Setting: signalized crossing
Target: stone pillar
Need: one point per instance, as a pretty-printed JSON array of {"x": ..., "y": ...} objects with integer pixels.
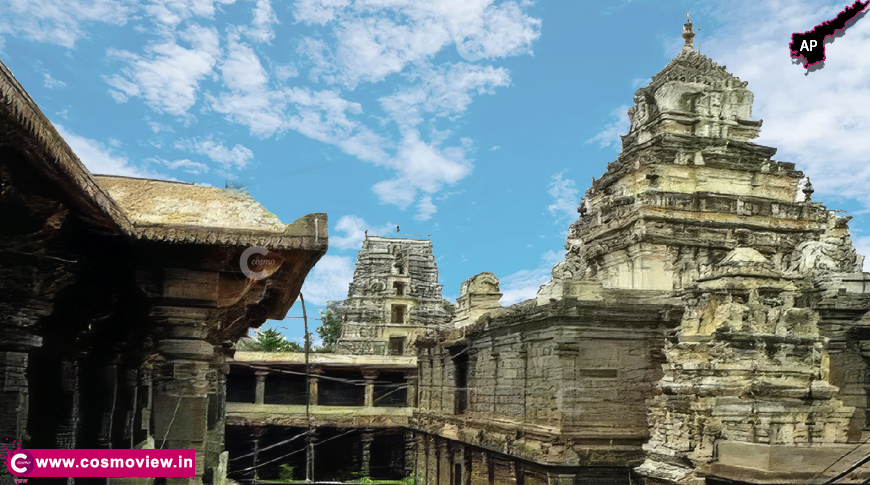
[
  {"x": 410, "y": 453},
  {"x": 561, "y": 478},
  {"x": 13, "y": 395},
  {"x": 367, "y": 438},
  {"x": 216, "y": 458},
  {"x": 437, "y": 444},
  {"x": 495, "y": 355},
  {"x": 260, "y": 392},
  {"x": 427, "y": 459},
  {"x": 445, "y": 462},
  {"x": 370, "y": 375},
  {"x": 411, "y": 378},
  {"x": 314, "y": 373},
  {"x": 145, "y": 400},
  {"x": 182, "y": 383},
  {"x": 466, "y": 465},
  {"x": 451, "y": 469}
]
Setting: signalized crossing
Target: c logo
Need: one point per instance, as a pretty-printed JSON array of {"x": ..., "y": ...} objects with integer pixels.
[
  {"x": 470, "y": 44},
  {"x": 254, "y": 275},
  {"x": 21, "y": 463}
]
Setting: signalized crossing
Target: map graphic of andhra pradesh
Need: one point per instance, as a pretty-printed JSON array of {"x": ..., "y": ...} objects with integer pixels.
[{"x": 810, "y": 46}]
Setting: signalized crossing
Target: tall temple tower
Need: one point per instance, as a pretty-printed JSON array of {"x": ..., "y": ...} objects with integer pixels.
[
  {"x": 394, "y": 297},
  {"x": 763, "y": 381}
]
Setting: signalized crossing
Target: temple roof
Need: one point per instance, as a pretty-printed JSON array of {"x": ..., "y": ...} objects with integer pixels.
[
  {"x": 160, "y": 209},
  {"x": 144, "y": 208},
  {"x": 695, "y": 96}
]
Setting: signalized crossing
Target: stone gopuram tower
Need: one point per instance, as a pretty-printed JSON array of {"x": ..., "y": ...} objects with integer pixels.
[
  {"x": 709, "y": 322},
  {"x": 394, "y": 297}
]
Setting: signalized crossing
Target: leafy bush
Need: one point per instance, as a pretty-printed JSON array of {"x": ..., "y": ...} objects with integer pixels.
[{"x": 285, "y": 473}]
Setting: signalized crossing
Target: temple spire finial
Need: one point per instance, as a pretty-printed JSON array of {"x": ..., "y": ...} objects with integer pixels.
[{"x": 688, "y": 34}]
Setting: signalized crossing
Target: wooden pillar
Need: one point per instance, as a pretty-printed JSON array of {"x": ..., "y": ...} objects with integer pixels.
[
  {"x": 260, "y": 392},
  {"x": 519, "y": 473},
  {"x": 370, "y": 375},
  {"x": 490, "y": 468},
  {"x": 411, "y": 379},
  {"x": 367, "y": 438}
]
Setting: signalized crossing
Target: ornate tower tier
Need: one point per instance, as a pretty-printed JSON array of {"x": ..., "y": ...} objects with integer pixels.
[{"x": 394, "y": 297}]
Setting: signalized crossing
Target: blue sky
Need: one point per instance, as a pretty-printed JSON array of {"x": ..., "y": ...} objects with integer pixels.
[{"x": 368, "y": 111}]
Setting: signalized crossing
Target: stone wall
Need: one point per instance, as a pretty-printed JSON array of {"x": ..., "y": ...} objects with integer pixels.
[{"x": 564, "y": 384}]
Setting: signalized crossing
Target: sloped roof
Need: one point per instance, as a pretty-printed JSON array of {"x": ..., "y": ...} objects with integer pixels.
[
  {"x": 182, "y": 212},
  {"x": 145, "y": 208},
  {"x": 25, "y": 126}
]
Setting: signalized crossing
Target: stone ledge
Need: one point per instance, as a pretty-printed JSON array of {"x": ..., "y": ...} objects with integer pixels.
[{"x": 769, "y": 464}]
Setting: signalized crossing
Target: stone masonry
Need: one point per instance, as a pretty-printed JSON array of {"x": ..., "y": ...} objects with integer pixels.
[
  {"x": 709, "y": 321},
  {"x": 394, "y": 297}
]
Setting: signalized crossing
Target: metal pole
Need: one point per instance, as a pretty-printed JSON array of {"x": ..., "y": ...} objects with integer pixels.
[
  {"x": 256, "y": 451},
  {"x": 309, "y": 456}
]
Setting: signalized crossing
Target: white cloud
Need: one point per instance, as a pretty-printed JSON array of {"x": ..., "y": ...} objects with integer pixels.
[
  {"x": 564, "y": 192},
  {"x": 318, "y": 11},
  {"x": 494, "y": 148},
  {"x": 158, "y": 128},
  {"x": 354, "y": 229},
  {"x": 102, "y": 160},
  {"x": 328, "y": 280},
  {"x": 366, "y": 42},
  {"x": 286, "y": 71},
  {"x": 237, "y": 157},
  {"x": 422, "y": 166},
  {"x": 249, "y": 101},
  {"x": 816, "y": 120},
  {"x": 377, "y": 39},
  {"x": 524, "y": 284},
  {"x": 51, "y": 82},
  {"x": 610, "y": 135},
  {"x": 425, "y": 208},
  {"x": 184, "y": 165},
  {"x": 553, "y": 257},
  {"x": 173, "y": 12},
  {"x": 59, "y": 22},
  {"x": 167, "y": 77},
  {"x": 862, "y": 245},
  {"x": 261, "y": 27},
  {"x": 442, "y": 91}
]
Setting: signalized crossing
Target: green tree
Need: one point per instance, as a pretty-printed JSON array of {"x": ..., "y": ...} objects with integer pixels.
[
  {"x": 268, "y": 341},
  {"x": 329, "y": 331}
]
